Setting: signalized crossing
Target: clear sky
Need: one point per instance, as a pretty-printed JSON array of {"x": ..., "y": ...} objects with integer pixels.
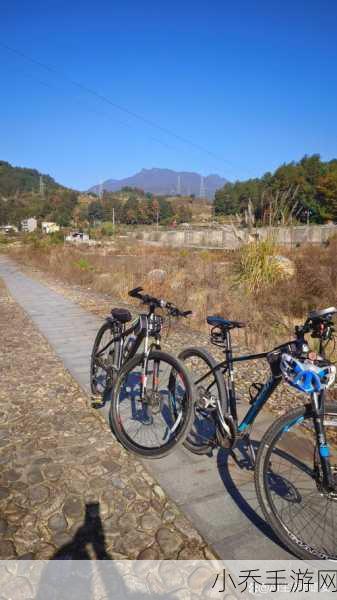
[{"x": 251, "y": 84}]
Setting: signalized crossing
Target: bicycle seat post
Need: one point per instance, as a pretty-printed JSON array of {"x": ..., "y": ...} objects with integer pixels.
[{"x": 231, "y": 388}]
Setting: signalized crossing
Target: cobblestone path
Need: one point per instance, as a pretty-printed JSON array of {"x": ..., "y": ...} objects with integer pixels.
[
  {"x": 66, "y": 487},
  {"x": 215, "y": 493}
]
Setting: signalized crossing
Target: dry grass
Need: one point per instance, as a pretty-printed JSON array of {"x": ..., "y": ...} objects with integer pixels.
[
  {"x": 257, "y": 267},
  {"x": 206, "y": 282}
]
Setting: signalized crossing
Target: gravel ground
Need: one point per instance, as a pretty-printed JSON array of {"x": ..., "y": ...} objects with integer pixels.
[{"x": 67, "y": 489}]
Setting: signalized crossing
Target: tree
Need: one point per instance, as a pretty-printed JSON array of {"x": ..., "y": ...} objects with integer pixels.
[
  {"x": 165, "y": 211},
  {"x": 130, "y": 210},
  {"x": 327, "y": 193},
  {"x": 95, "y": 211}
]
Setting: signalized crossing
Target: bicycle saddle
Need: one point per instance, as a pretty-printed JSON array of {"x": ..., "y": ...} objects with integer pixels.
[
  {"x": 121, "y": 314},
  {"x": 220, "y": 322}
]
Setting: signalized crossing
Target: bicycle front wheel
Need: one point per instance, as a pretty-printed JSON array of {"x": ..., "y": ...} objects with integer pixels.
[
  {"x": 289, "y": 487},
  {"x": 151, "y": 408}
]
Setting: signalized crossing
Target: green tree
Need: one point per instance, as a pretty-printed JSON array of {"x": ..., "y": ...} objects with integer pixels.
[
  {"x": 327, "y": 193},
  {"x": 95, "y": 211}
]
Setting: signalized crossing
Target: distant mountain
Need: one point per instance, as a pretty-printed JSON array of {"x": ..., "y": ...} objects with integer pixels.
[{"x": 166, "y": 182}]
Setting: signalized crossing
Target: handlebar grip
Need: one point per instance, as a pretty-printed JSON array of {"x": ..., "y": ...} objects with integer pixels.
[
  {"x": 186, "y": 313},
  {"x": 135, "y": 292}
]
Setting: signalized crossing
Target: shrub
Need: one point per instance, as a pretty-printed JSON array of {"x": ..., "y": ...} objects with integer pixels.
[
  {"x": 257, "y": 267},
  {"x": 56, "y": 237},
  {"x": 83, "y": 264},
  {"x": 107, "y": 229}
]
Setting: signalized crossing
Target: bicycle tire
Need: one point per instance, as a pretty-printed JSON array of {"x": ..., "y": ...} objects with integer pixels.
[
  {"x": 184, "y": 422},
  {"x": 291, "y": 538},
  {"x": 192, "y": 442},
  {"x": 106, "y": 326}
]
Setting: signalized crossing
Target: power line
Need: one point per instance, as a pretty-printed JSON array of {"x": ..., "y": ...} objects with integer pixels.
[
  {"x": 111, "y": 103},
  {"x": 100, "y": 113}
]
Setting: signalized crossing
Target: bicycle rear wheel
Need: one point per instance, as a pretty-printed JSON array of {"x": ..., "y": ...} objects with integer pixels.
[
  {"x": 154, "y": 422},
  {"x": 210, "y": 393},
  {"x": 287, "y": 479},
  {"x": 102, "y": 360}
]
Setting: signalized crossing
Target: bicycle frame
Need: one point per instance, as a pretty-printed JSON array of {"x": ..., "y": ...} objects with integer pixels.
[
  {"x": 226, "y": 366},
  {"x": 317, "y": 402},
  {"x": 120, "y": 333}
]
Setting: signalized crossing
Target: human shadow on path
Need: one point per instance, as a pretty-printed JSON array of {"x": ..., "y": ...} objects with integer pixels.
[{"x": 72, "y": 574}]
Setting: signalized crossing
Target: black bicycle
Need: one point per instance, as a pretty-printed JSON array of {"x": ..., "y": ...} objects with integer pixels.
[
  {"x": 296, "y": 464},
  {"x": 151, "y": 391}
]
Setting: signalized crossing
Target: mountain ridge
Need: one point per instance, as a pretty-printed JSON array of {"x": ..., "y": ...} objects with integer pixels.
[{"x": 166, "y": 182}]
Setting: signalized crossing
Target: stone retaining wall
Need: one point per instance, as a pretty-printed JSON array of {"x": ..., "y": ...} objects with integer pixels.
[{"x": 230, "y": 238}]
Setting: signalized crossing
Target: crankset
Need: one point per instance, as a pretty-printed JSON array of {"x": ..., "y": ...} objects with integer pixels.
[
  {"x": 205, "y": 400},
  {"x": 226, "y": 432}
]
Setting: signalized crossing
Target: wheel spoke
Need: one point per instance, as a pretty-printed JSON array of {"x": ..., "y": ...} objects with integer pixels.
[
  {"x": 153, "y": 422},
  {"x": 299, "y": 506}
]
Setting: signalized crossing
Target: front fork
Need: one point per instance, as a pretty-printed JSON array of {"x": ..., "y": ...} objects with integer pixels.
[
  {"x": 144, "y": 376},
  {"x": 318, "y": 407}
]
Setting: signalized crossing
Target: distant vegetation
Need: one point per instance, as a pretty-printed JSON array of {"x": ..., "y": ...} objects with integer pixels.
[
  {"x": 294, "y": 192},
  {"x": 133, "y": 206},
  {"x": 305, "y": 188},
  {"x": 26, "y": 193}
]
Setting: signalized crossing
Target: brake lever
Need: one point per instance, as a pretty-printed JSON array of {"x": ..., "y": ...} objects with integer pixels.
[{"x": 135, "y": 293}]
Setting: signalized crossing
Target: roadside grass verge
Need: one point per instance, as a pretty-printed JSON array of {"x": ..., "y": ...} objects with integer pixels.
[{"x": 247, "y": 284}]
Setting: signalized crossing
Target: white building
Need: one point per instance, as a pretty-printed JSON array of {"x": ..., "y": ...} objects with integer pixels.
[
  {"x": 49, "y": 227},
  {"x": 29, "y": 225}
]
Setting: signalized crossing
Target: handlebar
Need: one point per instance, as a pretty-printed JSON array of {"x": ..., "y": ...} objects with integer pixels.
[
  {"x": 173, "y": 310},
  {"x": 319, "y": 324}
]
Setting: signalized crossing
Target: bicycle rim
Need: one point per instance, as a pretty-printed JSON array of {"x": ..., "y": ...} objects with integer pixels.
[
  {"x": 102, "y": 362},
  {"x": 151, "y": 419},
  {"x": 202, "y": 435},
  {"x": 304, "y": 513}
]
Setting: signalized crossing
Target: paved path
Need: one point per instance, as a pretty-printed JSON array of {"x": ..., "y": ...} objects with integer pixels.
[{"x": 214, "y": 493}]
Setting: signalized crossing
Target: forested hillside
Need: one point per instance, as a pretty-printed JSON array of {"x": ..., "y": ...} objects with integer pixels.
[
  {"x": 298, "y": 191},
  {"x": 132, "y": 206},
  {"x": 26, "y": 192},
  {"x": 307, "y": 187}
]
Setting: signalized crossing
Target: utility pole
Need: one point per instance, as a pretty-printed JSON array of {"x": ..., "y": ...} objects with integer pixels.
[
  {"x": 100, "y": 191},
  {"x": 179, "y": 186},
  {"x": 41, "y": 186},
  {"x": 113, "y": 220},
  {"x": 157, "y": 218},
  {"x": 202, "y": 193}
]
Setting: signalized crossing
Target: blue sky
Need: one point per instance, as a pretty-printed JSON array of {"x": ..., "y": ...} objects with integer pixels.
[{"x": 249, "y": 84}]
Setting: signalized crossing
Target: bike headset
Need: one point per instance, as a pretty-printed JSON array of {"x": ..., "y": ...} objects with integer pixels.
[{"x": 306, "y": 376}]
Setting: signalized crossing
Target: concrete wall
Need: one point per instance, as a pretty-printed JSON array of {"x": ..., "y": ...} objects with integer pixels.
[{"x": 230, "y": 238}]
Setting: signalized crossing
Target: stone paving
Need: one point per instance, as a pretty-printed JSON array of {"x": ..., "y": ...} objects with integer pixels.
[
  {"x": 67, "y": 489},
  {"x": 216, "y": 493}
]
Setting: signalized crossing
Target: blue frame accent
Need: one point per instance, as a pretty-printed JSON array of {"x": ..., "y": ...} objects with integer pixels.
[
  {"x": 292, "y": 423},
  {"x": 324, "y": 451},
  {"x": 259, "y": 402}
]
